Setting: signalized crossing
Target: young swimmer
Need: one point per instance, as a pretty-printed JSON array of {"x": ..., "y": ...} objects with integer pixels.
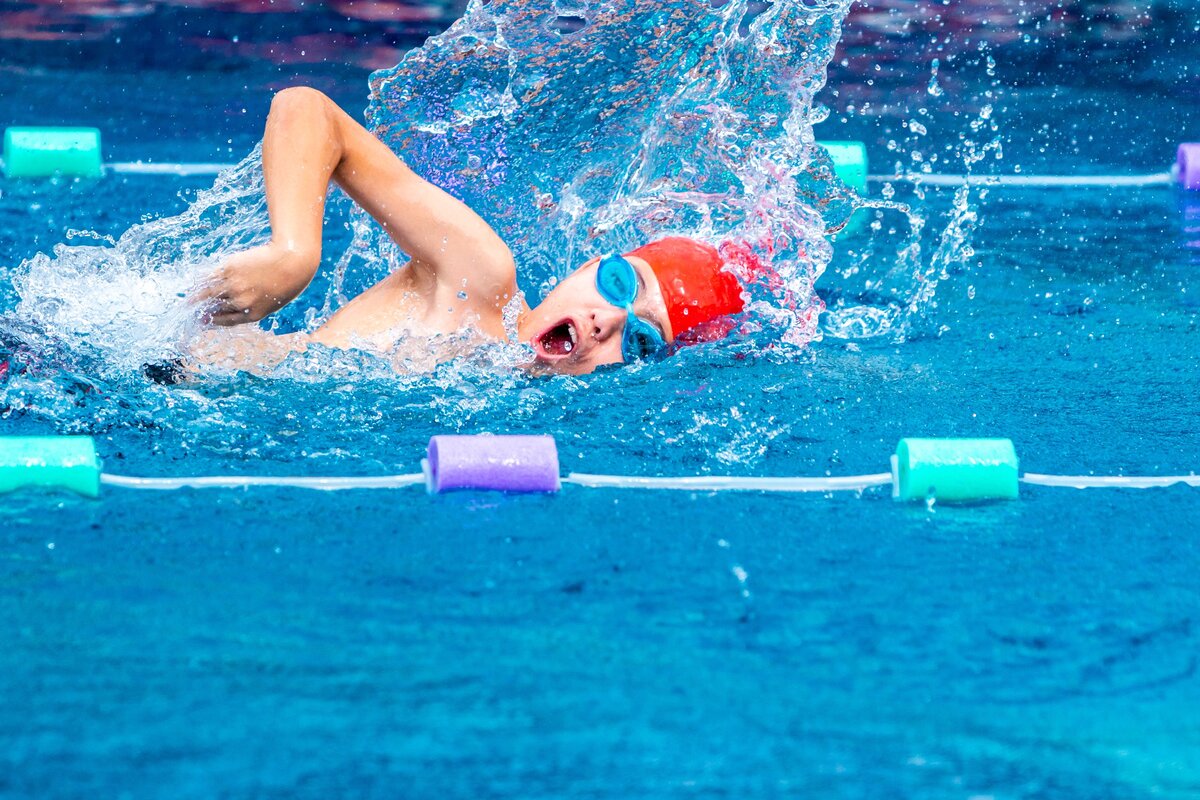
[{"x": 619, "y": 308}]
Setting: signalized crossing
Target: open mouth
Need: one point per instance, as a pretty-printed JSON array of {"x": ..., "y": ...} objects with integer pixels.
[{"x": 558, "y": 341}]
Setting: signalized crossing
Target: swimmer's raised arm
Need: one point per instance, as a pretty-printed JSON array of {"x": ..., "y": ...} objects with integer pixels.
[{"x": 308, "y": 142}]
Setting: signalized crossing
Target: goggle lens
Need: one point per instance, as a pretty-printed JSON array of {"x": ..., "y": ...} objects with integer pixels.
[{"x": 617, "y": 282}]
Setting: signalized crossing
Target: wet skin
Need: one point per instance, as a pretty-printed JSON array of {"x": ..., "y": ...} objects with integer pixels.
[{"x": 460, "y": 272}]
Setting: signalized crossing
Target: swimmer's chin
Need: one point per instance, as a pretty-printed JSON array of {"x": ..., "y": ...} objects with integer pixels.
[{"x": 542, "y": 369}]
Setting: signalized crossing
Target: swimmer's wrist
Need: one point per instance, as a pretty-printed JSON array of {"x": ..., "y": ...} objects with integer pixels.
[{"x": 296, "y": 260}]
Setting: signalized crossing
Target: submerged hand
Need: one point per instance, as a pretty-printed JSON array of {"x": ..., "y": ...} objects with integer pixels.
[{"x": 253, "y": 284}]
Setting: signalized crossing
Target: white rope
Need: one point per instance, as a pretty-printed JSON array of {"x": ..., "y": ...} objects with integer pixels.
[
  {"x": 246, "y": 481},
  {"x": 166, "y": 168},
  {"x": 933, "y": 179},
  {"x": 1038, "y": 181},
  {"x": 185, "y": 169},
  {"x": 717, "y": 483},
  {"x": 1107, "y": 481},
  {"x": 697, "y": 483}
]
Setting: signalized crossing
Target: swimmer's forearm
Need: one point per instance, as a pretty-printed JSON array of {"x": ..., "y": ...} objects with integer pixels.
[
  {"x": 301, "y": 148},
  {"x": 445, "y": 239},
  {"x": 309, "y": 141}
]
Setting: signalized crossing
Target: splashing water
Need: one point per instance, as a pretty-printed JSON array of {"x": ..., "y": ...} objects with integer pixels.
[
  {"x": 119, "y": 306},
  {"x": 577, "y": 128},
  {"x": 573, "y": 128}
]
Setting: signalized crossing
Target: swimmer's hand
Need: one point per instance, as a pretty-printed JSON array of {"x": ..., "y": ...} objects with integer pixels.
[{"x": 253, "y": 284}]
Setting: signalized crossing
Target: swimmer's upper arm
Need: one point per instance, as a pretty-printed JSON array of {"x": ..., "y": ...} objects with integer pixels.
[{"x": 446, "y": 240}]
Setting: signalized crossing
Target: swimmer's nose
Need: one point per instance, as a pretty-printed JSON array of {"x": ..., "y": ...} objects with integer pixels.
[{"x": 607, "y": 322}]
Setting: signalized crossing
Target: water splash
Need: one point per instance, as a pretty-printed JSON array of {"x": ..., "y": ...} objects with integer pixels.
[
  {"x": 118, "y": 305},
  {"x": 898, "y": 294},
  {"x": 574, "y": 128}
]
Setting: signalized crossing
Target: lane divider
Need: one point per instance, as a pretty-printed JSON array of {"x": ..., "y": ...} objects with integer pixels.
[
  {"x": 922, "y": 470},
  {"x": 39, "y": 152},
  {"x": 166, "y": 168},
  {"x": 1034, "y": 181}
]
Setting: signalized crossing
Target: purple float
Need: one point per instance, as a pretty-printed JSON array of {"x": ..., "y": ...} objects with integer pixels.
[
  {"x": 1187, "y": 162},
  {"x": 503, "y": 463}
]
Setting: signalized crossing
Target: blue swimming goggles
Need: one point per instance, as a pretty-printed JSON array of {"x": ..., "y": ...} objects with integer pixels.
[{"x": 617, "y": 282}]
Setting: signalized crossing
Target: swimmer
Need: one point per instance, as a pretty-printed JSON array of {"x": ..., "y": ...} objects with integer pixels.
[{"x": 616, "y": 309}]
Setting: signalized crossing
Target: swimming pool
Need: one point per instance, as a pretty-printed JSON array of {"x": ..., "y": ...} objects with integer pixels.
[{"x": 596, "y": 643}]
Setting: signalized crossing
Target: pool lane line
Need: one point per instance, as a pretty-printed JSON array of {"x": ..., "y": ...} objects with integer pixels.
[
  {"x": 327, "y": 484},
  {"x": 43, "y": 151},
  {"x": 717, "y": 483},
  {"x": 181, "y": 169},
  {"x": 697, "y": 483},
  {"x": 1109, "y": 481},
  {"x": 703, "y": 483},
  {"x": 943, "y": 470},
  {"x": 1033, "y": 181},
  {"x": 186, "y": 169}
]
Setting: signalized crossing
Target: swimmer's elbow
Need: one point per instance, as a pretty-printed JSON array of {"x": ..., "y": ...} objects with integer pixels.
[{"x": 299, "y": 98}]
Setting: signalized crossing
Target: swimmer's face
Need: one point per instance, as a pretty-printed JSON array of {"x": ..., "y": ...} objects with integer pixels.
[{"x": 574, "y": 330}]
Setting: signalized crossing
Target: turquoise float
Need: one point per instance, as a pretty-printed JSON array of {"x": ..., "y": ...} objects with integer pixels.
[
  {"x": 850, "y": 165},
  {"x": 52, "y": 462},
  {"x": 955, "y": 470},
  {"x": 43, "y": 152}
]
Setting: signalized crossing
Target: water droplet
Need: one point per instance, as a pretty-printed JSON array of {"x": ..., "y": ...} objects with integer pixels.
[{"x": 934, "y": 87}]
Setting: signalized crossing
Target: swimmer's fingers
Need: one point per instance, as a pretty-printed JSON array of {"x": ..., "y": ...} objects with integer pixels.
[
  {"x": 225, "y": 305},
  {"x": 238, "y": 309},
  {"x": 212, "y": 298},
  {"x": 227, "y": 319},
  {"x": 252, "y": 284},
  {"x": 204, "y": 294},
  {"x": 210, "y": 302}
]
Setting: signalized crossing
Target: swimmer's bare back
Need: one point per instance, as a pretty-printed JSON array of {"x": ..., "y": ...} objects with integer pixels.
[{"x": 308, "y": 142}]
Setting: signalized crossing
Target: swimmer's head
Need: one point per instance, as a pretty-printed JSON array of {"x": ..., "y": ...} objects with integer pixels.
[{"x": 665, "y": 294}]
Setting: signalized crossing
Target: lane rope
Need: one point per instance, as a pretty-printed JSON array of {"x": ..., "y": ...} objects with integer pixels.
[
  {"x": 1109, "y": 481},
  {"x": 922, "y": 470},
  {"x": 719, "y": 483},
  {"x": 692, "y": 483},
  {"x": 183, "y": 169},
  {"x": 188, "y": 169},
  {"x": 328, "y": 484},
  {"x": 1032, "y": 181}
]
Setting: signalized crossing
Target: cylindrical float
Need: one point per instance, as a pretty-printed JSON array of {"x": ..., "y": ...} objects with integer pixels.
[
  {"x": 955, "y": 470},
  {"x": 62, "y": 462},
  {"x": 1187, "y": 164},
  {"x": 503, "y": 463},
  {"x": 42, "y": 152},
  {"x": 850, "y": 165}
]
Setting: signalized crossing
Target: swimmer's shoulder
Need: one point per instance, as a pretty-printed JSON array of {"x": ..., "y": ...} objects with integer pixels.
[{"x": 482, "y": 282}]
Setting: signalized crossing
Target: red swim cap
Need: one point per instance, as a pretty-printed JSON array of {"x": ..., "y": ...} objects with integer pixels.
[{"x": 694, "y": 286}]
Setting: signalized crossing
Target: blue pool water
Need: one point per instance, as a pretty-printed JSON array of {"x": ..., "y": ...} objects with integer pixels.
[{"x": 601, "y": 643}]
